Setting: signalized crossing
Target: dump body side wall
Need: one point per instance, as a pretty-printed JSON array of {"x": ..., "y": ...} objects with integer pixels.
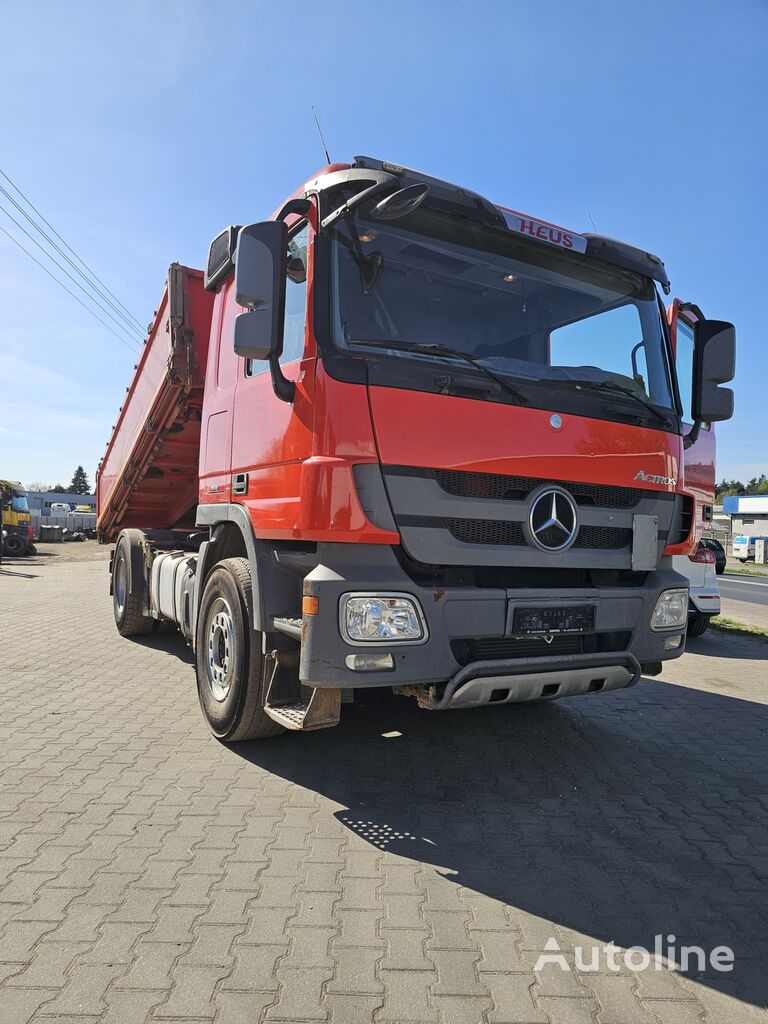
[{"x": 148, "y": 476}]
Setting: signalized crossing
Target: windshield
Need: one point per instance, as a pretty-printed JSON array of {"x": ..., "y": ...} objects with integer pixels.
[
  {"x": 533, "y": 312},
  {"x": 19, "y": 503}
]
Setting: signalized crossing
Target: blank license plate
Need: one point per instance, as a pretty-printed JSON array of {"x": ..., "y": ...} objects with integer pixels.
[{"x": 573, "y": 619}]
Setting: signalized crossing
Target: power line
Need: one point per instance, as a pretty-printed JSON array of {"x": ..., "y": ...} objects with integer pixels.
[
  {"x": 91, "y": 298},
  {"x": 88, "y": 308},
  {"x": 80, "y": 260},
  {"x": 74, "y": 266}
]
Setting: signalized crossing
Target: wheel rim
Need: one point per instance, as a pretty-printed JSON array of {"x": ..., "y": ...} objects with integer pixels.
[
  {"x": 121, "y": 586},
  {"x": 219, "y": 649}
]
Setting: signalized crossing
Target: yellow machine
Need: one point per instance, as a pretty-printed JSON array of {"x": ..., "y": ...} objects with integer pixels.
[{"x": 16, "y": 520}]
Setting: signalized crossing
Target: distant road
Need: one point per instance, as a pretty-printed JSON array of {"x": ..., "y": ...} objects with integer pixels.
[{"x": 742, "y": 588}]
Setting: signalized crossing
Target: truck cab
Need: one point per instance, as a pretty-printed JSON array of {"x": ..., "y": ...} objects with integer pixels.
[
  {"x": 15, "y": 519},
  {"x": 440, "y": 451}
]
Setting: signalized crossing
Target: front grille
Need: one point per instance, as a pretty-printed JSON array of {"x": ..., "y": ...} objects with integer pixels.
[
  {"x": 451, "y": 517},
  {"x": 506, "y": 648},
  {"x": 516, "y": 488},
  {"x": 486, "y": 531},
  {"x": 605, "y": 537},
  {"x": 497, "y": 531}
]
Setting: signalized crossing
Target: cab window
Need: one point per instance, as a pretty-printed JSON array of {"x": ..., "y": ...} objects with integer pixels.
[
  {"x": 295, "y": 303},
  {"x": 684, "y": 364},
  {"x": 614, "y": 341}
]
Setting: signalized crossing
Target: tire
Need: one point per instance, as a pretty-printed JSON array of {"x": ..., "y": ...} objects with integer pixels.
[
  {"x": 719, "y": 570},
  {"x": 743, "y": 561},
  {"x": 128, "y": 604},
  {"x": 14, "y": 545},
  {"x": 230, "y": 668},
  {"x": 697, "y": 623}
]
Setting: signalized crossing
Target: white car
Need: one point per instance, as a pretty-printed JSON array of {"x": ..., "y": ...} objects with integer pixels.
[{"x": 704, "y": 597}]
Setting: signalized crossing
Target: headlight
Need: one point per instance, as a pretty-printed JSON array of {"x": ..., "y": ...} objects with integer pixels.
[
  {"x": 381, "y": 618},
  {"x": 671, "y": 610}
]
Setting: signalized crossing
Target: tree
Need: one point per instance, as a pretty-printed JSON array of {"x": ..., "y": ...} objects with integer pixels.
[
  {"x": 80, "y": 483},
  {"x": 38, "y": 485},
  {"x": 757, "y": 485},
  {"x": 728, "y": 487},
  {"x": 57, "y": 489}
]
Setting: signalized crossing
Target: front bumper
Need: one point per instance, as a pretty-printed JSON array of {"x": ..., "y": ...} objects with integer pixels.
[{"x": 468, "y": 613}]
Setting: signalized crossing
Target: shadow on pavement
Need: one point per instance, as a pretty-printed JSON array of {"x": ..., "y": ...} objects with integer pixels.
[
  {"x": 5, "y": 571},
  {"x": 170, "y": 642},
  {"x": 624, "y": 816},
  {"x": 729, "y": 645}
]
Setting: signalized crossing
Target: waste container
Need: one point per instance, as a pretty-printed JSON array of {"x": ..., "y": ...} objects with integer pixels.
[{"x": 50, "y": 533}]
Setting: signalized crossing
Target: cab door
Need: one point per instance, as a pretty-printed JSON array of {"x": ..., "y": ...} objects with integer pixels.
[
  {"x": 271, "y": 438},
  {"x": 216, "y": 432},
  {"x": 699, "y": 467}
]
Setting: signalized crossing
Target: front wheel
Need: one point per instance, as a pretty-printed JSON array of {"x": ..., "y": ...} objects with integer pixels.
[
  {"x": 230, "y": 667},
  {"x": 743, "y": 561},
  {"x": 14, "y": 545},
  {"x": 697, "y": 623}
]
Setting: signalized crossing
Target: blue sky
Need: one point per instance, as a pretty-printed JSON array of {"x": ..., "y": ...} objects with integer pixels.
[{"x": 140, "y": 129}]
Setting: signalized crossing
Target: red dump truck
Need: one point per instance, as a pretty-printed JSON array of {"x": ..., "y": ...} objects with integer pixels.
[{"x": 399, "y": 436}]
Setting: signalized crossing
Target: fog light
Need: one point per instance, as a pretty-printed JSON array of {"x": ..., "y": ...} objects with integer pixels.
[
  {"x": 672, "y": 643},
  {"x": 381, "y": 618},
  {"x": 671, "y": 610},
  {"x": 369, "y": 662}
]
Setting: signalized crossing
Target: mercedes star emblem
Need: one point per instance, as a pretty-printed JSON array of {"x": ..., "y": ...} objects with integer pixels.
[{"x": 553, "y": 519}]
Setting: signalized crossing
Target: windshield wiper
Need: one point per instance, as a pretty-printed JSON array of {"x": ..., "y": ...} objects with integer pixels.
[
  {"x": 609, "y": 385},
  {"x": 435, "y": 349}
]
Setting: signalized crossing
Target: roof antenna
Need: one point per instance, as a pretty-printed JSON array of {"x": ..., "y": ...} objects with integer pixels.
[
  {"x": 320, "y": 133},
  {"x": 591, "y": 221}
]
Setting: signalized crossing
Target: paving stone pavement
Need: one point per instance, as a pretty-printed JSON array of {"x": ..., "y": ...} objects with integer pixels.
[{"x": 404, "y": 867}]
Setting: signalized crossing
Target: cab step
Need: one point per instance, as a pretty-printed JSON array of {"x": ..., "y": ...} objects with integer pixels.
[
  {"x": 297, "y": 707},
  {"x": 321, "y": 711},
  {"x": 291, "y": 627}
]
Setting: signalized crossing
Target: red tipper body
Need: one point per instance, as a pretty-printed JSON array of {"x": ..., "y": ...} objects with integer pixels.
[{"x": 148, "y": 476}]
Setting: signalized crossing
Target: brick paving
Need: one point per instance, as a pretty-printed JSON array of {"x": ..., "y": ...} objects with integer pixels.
[{"x": 404, "y": 867}]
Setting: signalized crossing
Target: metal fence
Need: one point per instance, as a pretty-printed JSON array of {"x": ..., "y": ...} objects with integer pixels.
[{"x": 75, "y": 522}]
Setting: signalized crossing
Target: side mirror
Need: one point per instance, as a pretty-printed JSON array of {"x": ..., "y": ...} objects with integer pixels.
[
  {"x": 714, "y": 363},
  {"x": 260, "y": 269}
]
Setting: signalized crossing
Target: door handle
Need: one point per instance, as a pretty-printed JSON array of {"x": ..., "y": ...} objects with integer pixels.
[{"x": 240, "y": 483}]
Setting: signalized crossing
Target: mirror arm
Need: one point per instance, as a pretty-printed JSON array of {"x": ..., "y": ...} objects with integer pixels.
[
  {"x": 692, "y": 437},
  {"x": 284, "y": 389},
  {"x": 300, "y": 207},
  {"x": 360, "y": 197}
]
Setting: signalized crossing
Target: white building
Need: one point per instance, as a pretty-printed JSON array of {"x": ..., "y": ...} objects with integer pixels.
[{"x": 749, "y": 514}]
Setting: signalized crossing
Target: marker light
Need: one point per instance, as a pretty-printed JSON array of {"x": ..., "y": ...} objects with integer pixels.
[
  {"x": 381, "y": 618},
  {"x": 671, "y": 610}
]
